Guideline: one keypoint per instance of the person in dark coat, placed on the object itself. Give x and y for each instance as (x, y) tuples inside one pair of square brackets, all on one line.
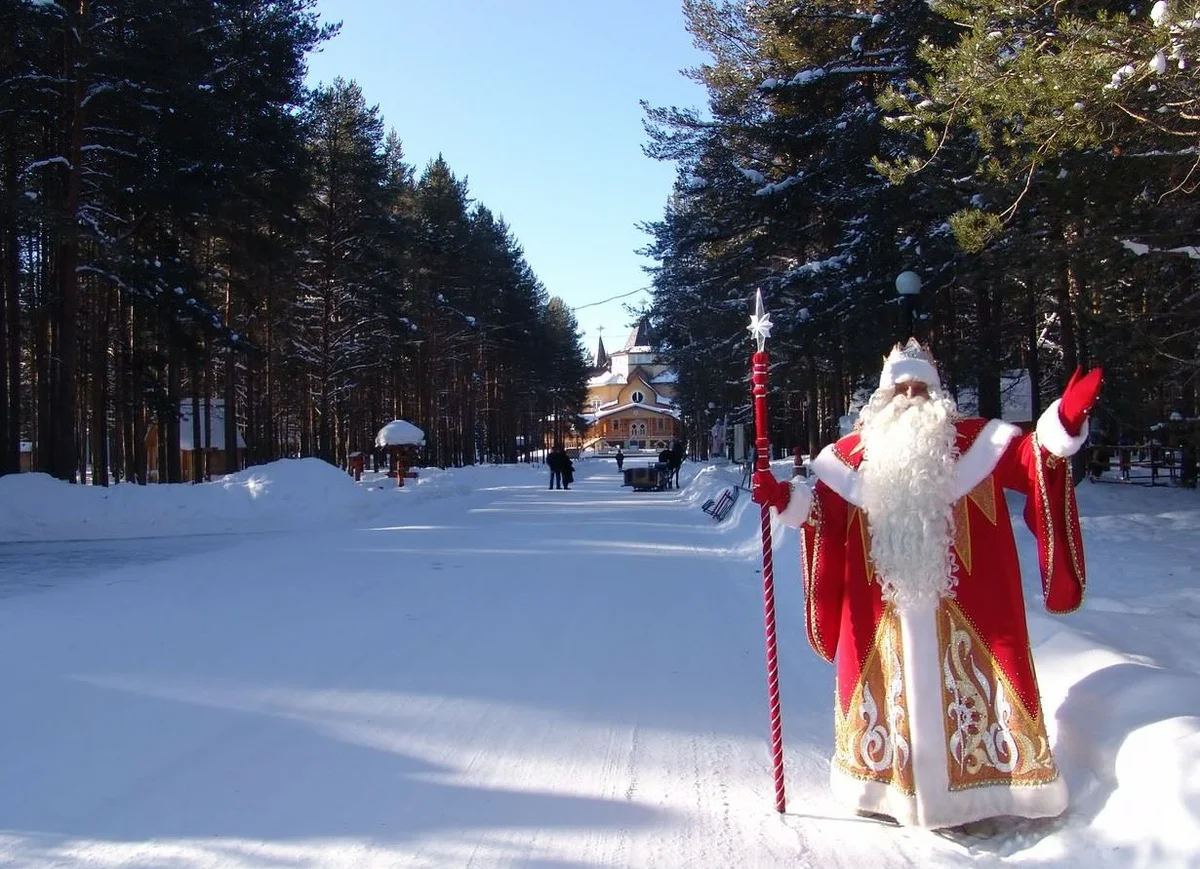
[(568, 471), (620, 460), (555, 461)]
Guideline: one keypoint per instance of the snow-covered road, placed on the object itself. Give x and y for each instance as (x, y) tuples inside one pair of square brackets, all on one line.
[(510, 677), (26, 567)]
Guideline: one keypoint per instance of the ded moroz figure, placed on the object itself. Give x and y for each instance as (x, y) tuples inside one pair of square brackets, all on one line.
[(913, 590)]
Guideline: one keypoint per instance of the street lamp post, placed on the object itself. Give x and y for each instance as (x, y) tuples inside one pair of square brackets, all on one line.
[(908, 285)]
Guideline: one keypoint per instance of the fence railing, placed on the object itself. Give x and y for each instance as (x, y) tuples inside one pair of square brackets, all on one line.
[(1142, 464)]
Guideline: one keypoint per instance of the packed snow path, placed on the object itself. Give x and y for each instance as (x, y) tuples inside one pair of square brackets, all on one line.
[(510, 677)]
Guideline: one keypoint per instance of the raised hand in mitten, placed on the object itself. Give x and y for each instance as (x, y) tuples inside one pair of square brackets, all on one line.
[(765, 489), (1078, 398)]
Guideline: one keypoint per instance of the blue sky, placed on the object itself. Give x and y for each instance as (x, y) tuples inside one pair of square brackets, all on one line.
[(535, 104)]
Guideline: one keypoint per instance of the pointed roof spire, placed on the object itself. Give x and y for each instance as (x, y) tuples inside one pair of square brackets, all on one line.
[(640, 336), (601, 358)]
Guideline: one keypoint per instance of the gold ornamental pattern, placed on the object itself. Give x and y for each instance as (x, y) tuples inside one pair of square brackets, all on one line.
[(872, 739), (991, 738)]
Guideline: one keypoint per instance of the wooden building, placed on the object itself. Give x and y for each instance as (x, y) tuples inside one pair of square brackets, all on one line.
[(631, 397), (212, 444)]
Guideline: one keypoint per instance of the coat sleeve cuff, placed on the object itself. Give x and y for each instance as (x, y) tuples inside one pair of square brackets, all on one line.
[(796, 512), (1054, 438)]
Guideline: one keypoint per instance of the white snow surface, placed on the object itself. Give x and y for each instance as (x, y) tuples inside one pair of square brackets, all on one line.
[(399, 432), (474, 670)]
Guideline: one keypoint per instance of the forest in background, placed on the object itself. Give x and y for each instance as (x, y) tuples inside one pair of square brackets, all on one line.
[(1036, 164), (181, 218)]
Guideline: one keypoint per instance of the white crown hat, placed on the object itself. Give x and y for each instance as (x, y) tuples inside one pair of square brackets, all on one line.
[(910, 362)]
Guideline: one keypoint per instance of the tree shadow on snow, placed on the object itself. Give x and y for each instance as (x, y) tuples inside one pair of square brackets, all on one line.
[(280, 771)]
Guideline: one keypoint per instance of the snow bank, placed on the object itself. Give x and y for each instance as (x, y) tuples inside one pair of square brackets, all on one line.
[(287, 494)]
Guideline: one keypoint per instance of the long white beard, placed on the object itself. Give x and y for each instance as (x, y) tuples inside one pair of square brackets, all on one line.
[(908, 495)]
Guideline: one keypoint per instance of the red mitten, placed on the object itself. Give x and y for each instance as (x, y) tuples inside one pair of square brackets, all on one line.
[(765, 489), (1078, 398)]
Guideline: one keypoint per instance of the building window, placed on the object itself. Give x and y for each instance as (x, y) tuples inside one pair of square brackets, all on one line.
[(638, 396)]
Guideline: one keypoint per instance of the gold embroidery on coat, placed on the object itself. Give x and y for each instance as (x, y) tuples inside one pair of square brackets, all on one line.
[(859, 516), (991, 738), (982, 496), (872, 740), (811, 566), (1071, 521)]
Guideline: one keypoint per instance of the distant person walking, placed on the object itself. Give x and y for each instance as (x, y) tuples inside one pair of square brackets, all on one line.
[(620, 460)]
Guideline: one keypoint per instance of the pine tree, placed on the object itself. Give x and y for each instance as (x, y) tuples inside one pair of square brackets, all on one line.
[(779, 191), (346, 212)]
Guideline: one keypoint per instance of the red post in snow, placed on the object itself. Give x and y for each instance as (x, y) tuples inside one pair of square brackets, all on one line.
[(760, 329)]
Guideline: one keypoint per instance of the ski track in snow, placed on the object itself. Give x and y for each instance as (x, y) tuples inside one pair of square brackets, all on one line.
[(418, 696)]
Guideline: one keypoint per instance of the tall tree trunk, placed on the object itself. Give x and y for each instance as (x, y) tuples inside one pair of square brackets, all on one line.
[(100, 391), (989, 370), (136, 430), (10, 334), (42, 343), (206, 409), (271, 438), (198, 435), (812, 417), (66, 333), (231, 451), (1034, 363), (1066, 319), (171, 439), (324, 410)]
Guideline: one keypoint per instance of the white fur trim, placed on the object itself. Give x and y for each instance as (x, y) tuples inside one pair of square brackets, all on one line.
[(796, 512), (935, 805), (1056, 439), (971, 469), (833, 473), (905, 368), (980, 460), (951, 808)]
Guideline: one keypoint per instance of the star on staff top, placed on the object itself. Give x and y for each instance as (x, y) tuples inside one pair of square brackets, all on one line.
[(760, 322)]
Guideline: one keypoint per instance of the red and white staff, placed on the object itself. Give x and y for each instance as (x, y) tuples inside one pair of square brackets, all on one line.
[(760, 330)]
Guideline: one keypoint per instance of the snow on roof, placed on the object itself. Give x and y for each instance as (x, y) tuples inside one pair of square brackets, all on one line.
[(606, 379), (216, 426), (398, 433), (664, 411), (667, 376)]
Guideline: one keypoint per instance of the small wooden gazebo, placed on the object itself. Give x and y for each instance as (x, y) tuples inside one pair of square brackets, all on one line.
[(401, 440)]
